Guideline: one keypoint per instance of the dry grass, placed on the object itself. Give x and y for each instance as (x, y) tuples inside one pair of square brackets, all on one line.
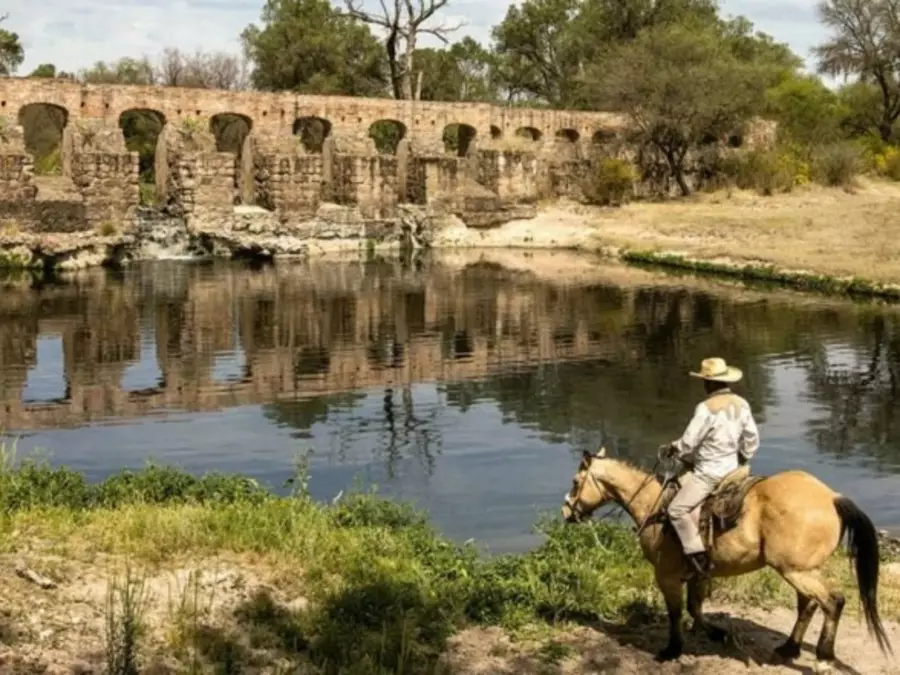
[(823, 230)]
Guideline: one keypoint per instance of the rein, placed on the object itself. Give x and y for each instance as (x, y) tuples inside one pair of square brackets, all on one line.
[(650, 477)]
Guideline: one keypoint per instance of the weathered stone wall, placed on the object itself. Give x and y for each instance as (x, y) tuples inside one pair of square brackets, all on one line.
[(288, 183), (513, 157), (108, 184), (512, 175), (368, 182)]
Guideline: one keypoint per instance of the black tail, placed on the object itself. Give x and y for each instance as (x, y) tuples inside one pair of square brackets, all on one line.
[(862, 544)]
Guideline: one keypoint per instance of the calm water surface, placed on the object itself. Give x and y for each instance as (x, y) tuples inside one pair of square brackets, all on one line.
[(466, 388)]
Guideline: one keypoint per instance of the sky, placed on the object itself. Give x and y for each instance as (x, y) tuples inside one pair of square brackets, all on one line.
[(74, 34)]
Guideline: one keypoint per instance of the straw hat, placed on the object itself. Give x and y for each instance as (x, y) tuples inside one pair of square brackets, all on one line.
[(716, 370)]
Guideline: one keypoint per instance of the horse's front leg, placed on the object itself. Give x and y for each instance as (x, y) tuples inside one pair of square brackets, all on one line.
[(697, 592), (671, 587)]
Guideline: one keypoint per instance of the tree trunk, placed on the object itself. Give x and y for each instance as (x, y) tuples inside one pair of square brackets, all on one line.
[(407, 74), (676, 164), (393, 66)]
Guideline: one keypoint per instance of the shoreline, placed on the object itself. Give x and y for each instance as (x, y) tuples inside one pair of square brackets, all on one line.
[(820, 240), (217, 572)]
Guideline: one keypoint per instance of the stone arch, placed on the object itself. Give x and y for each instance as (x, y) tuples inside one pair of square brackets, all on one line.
[(459, 139), (386, 135), (43, 125), (141, 129), (230, 130), (313, 131), (529, 133), (603, 137), (496, 133), (570, 135)]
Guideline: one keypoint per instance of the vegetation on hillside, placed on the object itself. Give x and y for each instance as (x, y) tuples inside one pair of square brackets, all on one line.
[(697, 76), (382, 590)]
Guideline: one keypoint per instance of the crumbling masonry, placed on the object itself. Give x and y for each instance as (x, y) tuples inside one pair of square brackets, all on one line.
[(509, 157)]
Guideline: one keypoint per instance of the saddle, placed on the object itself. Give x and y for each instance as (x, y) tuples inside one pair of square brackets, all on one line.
[(720, 512)]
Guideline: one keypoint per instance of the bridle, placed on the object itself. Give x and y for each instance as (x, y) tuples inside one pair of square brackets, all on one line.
[(574, 503)]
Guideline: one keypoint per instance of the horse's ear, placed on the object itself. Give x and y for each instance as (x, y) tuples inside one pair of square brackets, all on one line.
[(586, 458), (601, 453)]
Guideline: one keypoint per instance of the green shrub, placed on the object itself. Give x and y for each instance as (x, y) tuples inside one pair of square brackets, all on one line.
[(49, 164), (836, 165), (610, 183), (768, 172)]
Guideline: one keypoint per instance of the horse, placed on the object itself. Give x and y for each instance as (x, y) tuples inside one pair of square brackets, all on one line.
[(790, 521)]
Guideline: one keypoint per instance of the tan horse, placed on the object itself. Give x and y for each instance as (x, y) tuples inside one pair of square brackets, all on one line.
[(790, 521)]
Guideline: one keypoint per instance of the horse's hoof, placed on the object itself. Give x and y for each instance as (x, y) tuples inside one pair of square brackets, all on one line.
[(670, 653), (788, 651)]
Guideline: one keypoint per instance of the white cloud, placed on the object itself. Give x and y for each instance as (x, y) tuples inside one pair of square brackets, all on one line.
[(74, 34)]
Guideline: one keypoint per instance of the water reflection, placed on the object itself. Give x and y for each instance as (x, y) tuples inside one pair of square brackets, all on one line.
[(462, 386)]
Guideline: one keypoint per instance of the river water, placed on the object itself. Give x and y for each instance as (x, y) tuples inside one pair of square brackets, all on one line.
[(466, 384)]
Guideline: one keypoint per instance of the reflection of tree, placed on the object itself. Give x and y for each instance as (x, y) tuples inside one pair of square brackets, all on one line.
[(860, 397), (638, 394), (419, 434), (302, 413)]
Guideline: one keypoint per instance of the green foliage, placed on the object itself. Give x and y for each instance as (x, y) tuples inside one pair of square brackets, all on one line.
[(610, 182), (542, 46), (11, 52), (864, 40), (768, 172), (463, 72), (34, 483), (387, 134), (309, 46), (680, 85), (125, 628), (887, 163), (836, 165), (806, 110)]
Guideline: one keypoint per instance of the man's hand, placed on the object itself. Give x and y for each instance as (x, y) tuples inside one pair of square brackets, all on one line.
[(667, 451)]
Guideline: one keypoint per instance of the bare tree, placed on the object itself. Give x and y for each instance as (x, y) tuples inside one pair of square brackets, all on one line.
[(216, 70), (404, 21), (866, 43)]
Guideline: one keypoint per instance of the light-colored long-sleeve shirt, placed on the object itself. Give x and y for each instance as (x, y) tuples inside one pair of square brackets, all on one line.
[(722, 428)]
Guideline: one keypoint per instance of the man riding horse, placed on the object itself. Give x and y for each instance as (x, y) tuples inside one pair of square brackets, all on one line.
[(721, 437)]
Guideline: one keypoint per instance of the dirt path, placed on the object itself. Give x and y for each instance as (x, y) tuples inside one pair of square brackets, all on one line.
[(60, 630), (586, 651)]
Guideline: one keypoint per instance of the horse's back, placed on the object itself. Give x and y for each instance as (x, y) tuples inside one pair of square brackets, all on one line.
[(798, 522)]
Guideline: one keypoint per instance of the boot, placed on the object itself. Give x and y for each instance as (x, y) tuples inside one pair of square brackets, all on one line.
[(699, 564)]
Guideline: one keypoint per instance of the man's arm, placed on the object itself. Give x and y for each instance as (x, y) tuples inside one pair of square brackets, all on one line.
[(693, 435), (749, 436)]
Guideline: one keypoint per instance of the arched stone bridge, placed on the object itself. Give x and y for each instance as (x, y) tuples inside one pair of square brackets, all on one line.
[(349, 119)]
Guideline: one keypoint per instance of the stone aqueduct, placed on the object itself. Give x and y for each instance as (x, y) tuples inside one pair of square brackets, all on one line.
[(349, 118), (510, 155)]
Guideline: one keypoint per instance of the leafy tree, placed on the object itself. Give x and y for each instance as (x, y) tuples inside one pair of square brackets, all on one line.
[(308, 46), (680, 85), (536, 58), (806, 110), (460, 73), (865, 43), (124, 71), (543, 47), (11, 52)]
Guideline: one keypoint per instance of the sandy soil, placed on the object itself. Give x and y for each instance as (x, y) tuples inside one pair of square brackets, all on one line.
[(60, 630), (827, 231)]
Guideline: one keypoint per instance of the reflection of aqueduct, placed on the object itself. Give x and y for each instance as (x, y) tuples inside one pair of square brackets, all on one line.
[(335, 332)]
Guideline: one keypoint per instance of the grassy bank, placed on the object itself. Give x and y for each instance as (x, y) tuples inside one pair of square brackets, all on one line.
[(218, 574), (814, 238)]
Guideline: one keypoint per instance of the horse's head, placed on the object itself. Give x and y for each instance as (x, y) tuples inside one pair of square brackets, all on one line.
[(587, 493)]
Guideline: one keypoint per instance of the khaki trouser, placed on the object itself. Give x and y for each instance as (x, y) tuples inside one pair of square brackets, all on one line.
[(684, 511)]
